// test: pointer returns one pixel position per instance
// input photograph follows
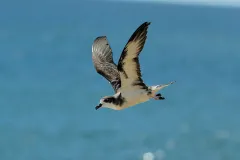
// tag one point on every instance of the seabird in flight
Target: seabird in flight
(125, 77)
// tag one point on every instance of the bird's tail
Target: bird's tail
(159, 87)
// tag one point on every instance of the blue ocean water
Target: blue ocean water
(49, 88)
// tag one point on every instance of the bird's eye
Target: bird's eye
(108, 100)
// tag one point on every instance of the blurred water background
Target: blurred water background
(49, 88)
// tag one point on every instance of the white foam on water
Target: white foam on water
(229, 3)
(148, 156)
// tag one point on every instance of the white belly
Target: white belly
(133, 97)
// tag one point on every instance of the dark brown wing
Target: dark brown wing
(103, 62)
(128, 64)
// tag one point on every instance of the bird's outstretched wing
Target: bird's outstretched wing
(128, 64)
(103, 61)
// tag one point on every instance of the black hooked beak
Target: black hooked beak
(99, 106)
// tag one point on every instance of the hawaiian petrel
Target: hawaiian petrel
(125, 78)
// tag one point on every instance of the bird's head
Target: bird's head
(109, 101)
(106, 102)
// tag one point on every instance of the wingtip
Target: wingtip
(147, 23)
(173, 82)
(100, 37)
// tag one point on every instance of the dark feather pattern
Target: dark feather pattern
(118, 101)
(129, 58)
(103, 62)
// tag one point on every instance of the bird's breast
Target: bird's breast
(133, 97)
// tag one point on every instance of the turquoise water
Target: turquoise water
(49, 88)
